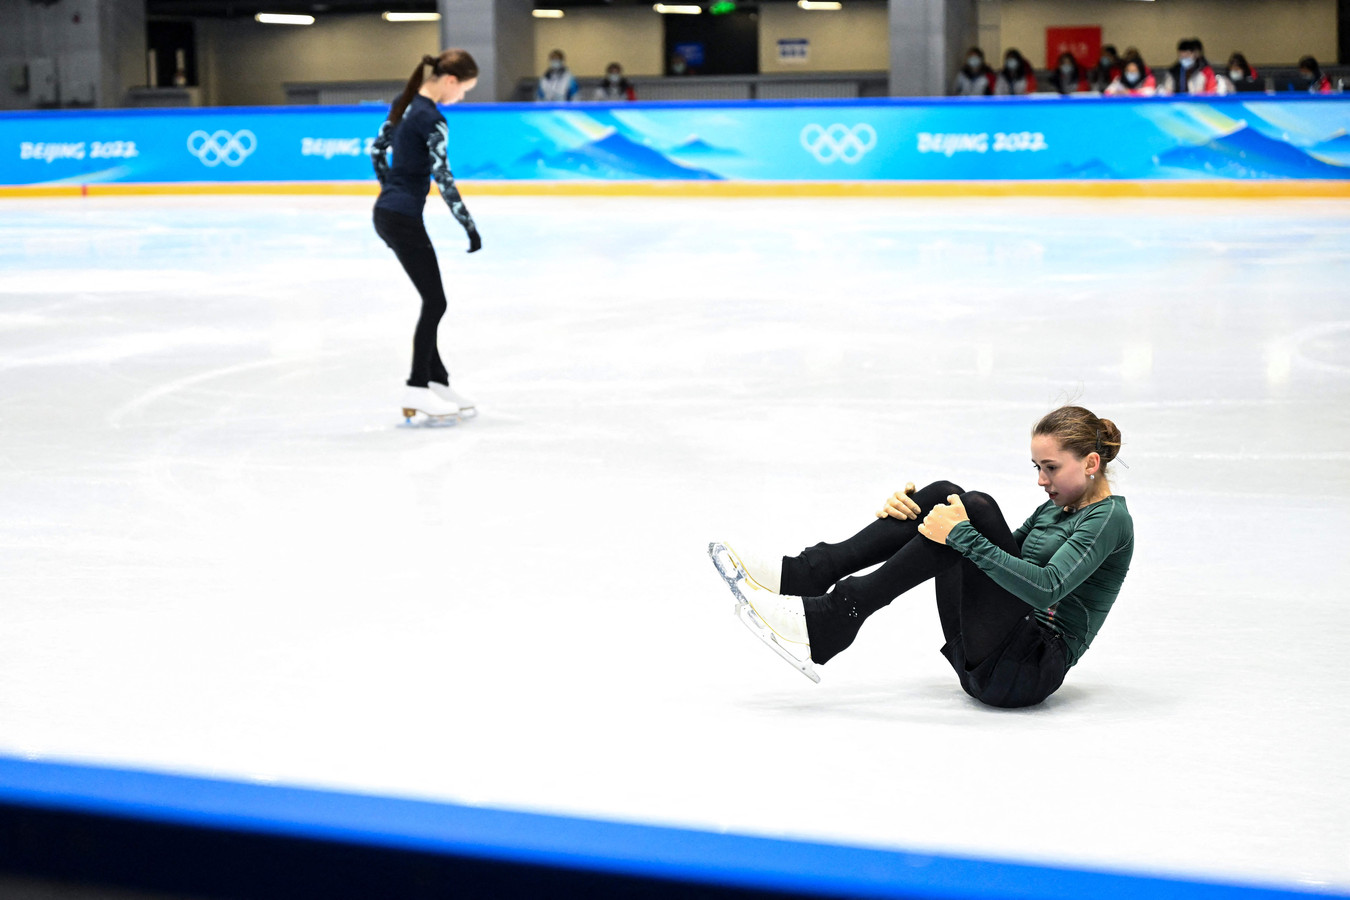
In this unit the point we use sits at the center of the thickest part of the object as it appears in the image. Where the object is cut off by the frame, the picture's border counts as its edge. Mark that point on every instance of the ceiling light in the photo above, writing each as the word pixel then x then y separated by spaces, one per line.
pixel 667 9
pixel 410 17
pixel 820 4
pixel 548 13
pixel 283 19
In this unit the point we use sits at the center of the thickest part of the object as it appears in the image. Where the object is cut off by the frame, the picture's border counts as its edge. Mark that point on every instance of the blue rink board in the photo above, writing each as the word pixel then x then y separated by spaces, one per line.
pixel 1245 137
pixel 655 861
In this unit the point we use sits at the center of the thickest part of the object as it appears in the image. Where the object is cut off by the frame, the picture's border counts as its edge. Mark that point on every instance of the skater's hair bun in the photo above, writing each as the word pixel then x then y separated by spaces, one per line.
pixel 454 62
pixel 1080 432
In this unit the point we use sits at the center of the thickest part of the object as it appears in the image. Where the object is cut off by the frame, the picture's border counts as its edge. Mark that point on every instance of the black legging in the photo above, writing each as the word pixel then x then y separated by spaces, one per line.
pixel 408 238
pixel 974 610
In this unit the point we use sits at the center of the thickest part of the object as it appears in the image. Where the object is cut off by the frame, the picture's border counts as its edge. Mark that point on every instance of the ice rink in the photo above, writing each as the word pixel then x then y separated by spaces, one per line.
pixel 222 556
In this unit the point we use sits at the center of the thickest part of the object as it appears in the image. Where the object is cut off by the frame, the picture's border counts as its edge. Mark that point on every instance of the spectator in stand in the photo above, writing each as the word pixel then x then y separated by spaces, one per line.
pixel 975 79
pixel 1135 80
pixel 1311 78
pixel 679 65
pixel 615 87
pixel 1067 77
pixel 1191 73
pixel 1107 69
pixel 1242 75
pixel 1016 77
pixel 557 84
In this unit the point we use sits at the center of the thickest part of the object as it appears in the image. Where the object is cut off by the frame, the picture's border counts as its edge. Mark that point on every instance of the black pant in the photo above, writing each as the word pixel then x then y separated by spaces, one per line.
pixel 980 620
pixel 408 238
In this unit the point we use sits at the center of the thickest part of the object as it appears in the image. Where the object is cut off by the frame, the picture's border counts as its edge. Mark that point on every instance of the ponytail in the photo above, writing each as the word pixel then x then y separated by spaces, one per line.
pixel 452 62
pixel 411 88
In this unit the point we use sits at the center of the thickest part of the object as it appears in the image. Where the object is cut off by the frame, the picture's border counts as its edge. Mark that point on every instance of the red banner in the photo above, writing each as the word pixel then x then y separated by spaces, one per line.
pixel 1083 41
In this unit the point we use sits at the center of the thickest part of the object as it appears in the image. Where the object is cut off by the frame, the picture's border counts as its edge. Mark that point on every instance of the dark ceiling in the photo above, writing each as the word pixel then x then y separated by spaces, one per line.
pixel 247 8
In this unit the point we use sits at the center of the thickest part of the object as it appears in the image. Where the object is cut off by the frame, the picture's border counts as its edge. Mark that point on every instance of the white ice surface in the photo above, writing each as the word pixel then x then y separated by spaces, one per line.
pixel 219 554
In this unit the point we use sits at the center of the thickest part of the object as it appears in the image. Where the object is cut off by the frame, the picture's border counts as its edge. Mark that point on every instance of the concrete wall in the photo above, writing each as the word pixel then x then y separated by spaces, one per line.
pixel 1267 32
pixel 85 52
pixel 122 48
pixel 854 39
pixel 594 37
pixel 244 63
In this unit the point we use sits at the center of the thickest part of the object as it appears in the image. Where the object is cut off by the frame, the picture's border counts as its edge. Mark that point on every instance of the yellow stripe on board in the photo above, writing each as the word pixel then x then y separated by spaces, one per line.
pixel 1082 189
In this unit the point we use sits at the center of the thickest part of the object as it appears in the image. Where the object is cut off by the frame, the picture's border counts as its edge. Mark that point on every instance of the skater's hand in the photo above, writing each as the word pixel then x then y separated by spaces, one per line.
pixel 901 505
pixel 475 242
pixel 943 518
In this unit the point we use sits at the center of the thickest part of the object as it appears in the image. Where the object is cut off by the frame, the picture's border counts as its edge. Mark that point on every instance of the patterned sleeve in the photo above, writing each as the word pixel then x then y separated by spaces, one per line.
pixel 379 151
pixel 445 179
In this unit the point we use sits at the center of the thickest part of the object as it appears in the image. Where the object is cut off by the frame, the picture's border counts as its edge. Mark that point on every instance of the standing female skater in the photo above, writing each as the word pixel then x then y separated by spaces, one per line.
pixel 418 134
pixel 1018 608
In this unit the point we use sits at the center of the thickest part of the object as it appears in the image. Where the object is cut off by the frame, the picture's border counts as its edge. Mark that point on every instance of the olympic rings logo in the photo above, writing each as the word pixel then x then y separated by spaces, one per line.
pixel 221 147
pixel 839 142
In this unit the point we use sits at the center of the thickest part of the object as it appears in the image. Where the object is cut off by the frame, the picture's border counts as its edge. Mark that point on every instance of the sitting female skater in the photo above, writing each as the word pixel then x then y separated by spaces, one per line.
pixel 1018 608
pixel 417 134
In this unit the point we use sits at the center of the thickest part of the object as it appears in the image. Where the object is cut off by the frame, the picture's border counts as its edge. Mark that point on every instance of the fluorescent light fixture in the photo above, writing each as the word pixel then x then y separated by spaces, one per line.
pixel 667 9
pixel 548 13
pixel 820 4
pixel 283 19
pixel 410 17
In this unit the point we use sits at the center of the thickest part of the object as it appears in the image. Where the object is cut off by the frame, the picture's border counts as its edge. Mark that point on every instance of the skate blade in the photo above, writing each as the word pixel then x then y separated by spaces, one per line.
pixel 746 613
pixel 725 563
pixel 731 569
pixel 724 559
pixel 417 419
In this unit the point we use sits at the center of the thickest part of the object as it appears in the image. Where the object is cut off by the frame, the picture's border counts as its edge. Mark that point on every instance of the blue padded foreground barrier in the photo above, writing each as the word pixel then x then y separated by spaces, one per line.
pixel 74 824
pixel 1244 138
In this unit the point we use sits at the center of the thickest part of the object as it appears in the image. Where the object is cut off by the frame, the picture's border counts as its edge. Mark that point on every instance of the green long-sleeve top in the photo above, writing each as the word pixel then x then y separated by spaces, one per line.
pixel 1070 569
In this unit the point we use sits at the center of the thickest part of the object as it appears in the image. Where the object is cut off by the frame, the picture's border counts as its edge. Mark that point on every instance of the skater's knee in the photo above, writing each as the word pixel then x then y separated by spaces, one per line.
pixel 937 492
pixel 979 505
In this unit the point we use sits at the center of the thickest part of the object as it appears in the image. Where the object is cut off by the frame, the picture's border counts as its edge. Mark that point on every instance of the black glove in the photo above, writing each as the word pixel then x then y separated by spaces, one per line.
pixel 475 242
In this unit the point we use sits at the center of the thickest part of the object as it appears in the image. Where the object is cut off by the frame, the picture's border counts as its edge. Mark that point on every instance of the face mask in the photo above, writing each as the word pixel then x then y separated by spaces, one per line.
pixel 1013 65
pixel 974 62
pixel 1066 69
pixel 1186 62
pixel 1236 74
pixel 1132 78
pixel 614 77
pixel 554 64
pixel 1106 62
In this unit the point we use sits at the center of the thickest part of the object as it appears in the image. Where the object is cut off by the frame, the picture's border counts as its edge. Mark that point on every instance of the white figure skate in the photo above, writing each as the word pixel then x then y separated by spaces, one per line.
pixel 467 409
pixel 776 620
pixel 433 410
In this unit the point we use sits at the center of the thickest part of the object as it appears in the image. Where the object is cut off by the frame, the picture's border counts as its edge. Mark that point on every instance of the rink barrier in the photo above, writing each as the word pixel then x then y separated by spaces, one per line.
pixel 794 146
pixel 135 830
pixel 1088 190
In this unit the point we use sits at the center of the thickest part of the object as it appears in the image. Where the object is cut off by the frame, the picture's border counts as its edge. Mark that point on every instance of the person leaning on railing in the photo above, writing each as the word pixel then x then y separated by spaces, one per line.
pixel 1016 78
pixel 1136 80
pixel 1242 75
pixel 975 79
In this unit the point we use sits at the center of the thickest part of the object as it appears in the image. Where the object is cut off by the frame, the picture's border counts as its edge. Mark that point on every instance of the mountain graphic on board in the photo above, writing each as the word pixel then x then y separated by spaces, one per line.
pixel 696 146
pixel 488 170
pixel 613 156
pixel 1246 153
pixel 1333 150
